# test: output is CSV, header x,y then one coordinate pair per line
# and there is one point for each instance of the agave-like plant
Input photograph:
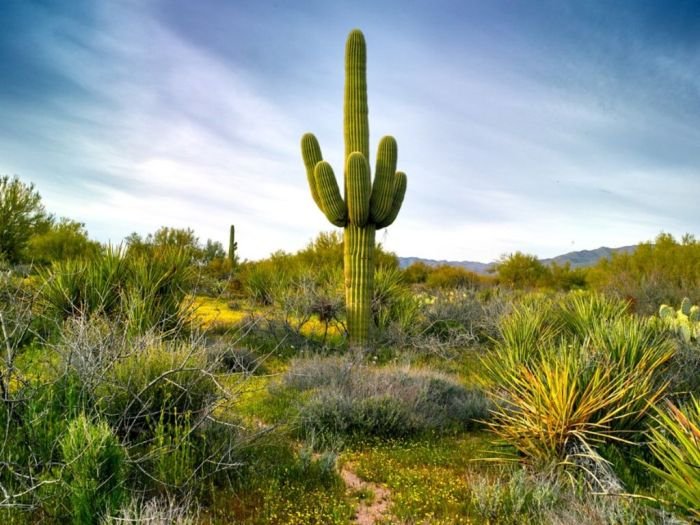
x,y
564,383
560,403
675,442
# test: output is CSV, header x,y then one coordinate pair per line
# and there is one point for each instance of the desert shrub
x,y
675,443
18,324
445,322
172,452
319,372
570,377
307,312
547,497
65,239
355,400
520,270
658,272
161,379
94,469
39,418
451,277
416,273
164,511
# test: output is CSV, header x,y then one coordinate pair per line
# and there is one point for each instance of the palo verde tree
x,y
22,215
367,206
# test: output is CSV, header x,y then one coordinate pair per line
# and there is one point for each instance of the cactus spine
x,y
365,206
232,245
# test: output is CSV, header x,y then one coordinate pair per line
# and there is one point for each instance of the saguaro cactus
x,y
367,206
232,245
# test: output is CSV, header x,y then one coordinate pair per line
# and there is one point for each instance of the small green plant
x,y
173,451
94,470
685,321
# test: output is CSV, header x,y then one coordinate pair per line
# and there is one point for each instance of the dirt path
x,y
376,508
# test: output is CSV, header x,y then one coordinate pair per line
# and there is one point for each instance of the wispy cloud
x,y
136,115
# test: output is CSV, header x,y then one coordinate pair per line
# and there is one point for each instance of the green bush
x,y
94,470
159,380
656,272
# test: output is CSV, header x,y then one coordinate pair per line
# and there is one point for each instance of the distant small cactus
x,y
685,321
232,244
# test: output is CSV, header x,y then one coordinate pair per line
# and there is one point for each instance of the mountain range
x,y
577,259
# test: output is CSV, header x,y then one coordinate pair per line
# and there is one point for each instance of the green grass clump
x,y
94,470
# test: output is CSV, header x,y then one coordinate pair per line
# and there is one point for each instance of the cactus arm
x,y
359,188
400,191
384,179
332,204
355,114
311,153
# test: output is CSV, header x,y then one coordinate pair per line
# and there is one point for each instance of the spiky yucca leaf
x,y
675,442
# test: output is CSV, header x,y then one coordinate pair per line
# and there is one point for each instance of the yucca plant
x,y
582,312
550,408
155,288
675,443
522,334
145,290
567,378
83,286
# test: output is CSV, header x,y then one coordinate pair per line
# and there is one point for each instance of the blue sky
x,y
541,126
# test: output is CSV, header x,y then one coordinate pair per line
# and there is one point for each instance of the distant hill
x,y
587,257
473,266
577,259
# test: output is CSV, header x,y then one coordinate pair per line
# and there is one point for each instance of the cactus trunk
x,y
365,206
358,251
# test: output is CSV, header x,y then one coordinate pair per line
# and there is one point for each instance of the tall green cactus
x,y
232,245
367,206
